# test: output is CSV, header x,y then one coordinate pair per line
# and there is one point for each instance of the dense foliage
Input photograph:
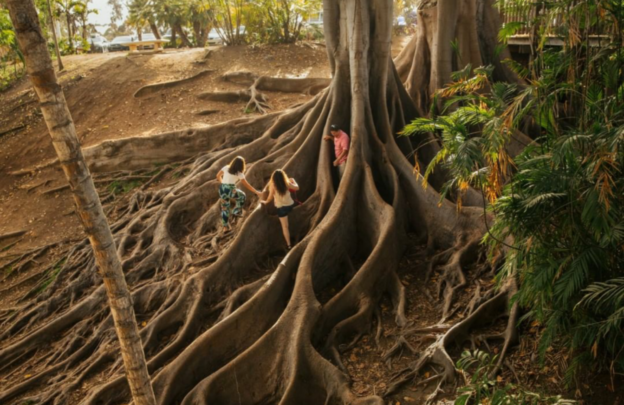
x,y
559,205
482,388
235,21
11,59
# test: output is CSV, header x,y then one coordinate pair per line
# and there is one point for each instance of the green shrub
x,y
482,389
559,205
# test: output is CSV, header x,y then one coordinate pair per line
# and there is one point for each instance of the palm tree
x,y
53,29
82,11
66,8
172,13
63,133
200,16
142,12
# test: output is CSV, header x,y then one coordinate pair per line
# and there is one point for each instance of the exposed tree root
x,y
426,63
257,101
156,87
311,86
12,234
219,322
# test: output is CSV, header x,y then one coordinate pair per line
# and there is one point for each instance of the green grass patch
x,y
52,275
122,187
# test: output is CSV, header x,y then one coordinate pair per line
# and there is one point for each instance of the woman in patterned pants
x,y
229,176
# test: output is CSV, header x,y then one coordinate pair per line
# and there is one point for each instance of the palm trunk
x,y
154,29
174,37
197,32
69,32
56,47
88,206
84,28
183,37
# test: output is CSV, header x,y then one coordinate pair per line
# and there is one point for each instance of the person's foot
x,y
236,217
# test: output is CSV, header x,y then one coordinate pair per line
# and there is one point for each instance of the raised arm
x,y
249,187
270,197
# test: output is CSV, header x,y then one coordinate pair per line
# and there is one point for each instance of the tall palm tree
x,y
66,8
143,12
53,29
88,206
82,11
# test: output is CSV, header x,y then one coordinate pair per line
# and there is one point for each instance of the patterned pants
x,y
229,192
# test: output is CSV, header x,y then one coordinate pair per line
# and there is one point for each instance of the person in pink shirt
x,y
341,147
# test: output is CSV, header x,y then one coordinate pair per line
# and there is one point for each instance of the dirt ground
x,y
99,89
100,92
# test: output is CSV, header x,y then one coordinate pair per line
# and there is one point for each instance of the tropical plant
x,y
559,204
82,10
283,20
481,388
66,9
229,20
200,17
9,52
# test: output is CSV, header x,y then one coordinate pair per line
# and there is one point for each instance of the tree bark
x,y
183,37
233,318
70,36
154,29
63,133
174,36
56,47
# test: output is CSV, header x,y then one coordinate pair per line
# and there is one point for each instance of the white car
x,y
216,35
214,38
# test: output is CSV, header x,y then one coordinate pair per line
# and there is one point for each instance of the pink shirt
x,y
341,144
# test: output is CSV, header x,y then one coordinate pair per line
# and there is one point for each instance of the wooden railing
x,y
528,11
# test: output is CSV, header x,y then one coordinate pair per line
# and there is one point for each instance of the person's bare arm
x,y
328,138
342,155
220,175
249,187
269,198
293,184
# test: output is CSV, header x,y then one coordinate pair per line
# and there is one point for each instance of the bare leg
x,y
284,222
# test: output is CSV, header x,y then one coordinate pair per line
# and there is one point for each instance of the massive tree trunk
x,y
426,63
223,322
63,133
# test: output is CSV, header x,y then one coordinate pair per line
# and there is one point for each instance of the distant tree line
x,y
236,22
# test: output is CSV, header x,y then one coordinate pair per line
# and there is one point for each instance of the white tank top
x,y
229,178
282,200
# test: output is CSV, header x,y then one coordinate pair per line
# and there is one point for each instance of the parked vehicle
x,y
98,43
118,43
215,36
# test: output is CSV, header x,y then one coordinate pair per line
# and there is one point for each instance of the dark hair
x,y
334,128
237,165
280,181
